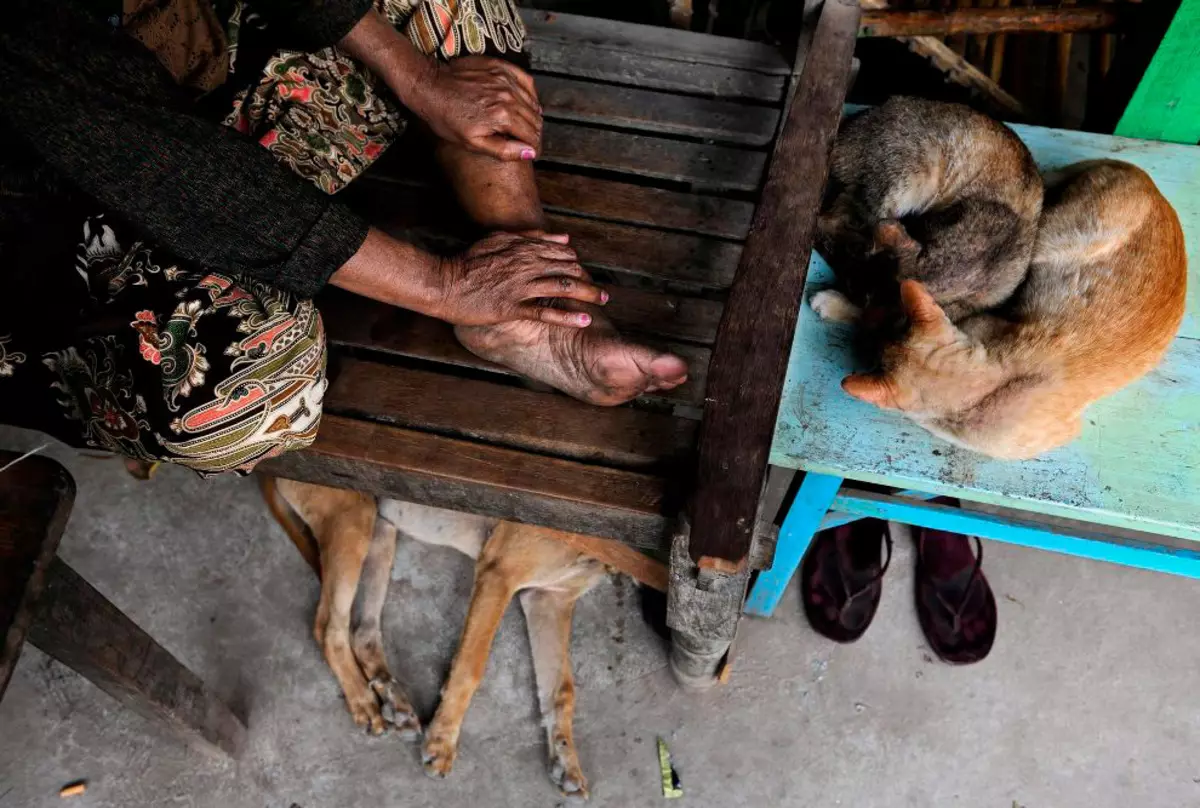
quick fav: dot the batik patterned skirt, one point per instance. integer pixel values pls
(142, 355)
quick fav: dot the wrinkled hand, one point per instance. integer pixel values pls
(510, 276)
(482, 104)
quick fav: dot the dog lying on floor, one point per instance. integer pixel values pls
(350, 539)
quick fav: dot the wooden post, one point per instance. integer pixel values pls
(710, 563)
(79, 627)
(1166, 104)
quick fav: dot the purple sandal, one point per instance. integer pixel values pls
(841, 579)
(954, 602)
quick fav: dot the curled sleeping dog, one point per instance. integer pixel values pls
(351, 538)
(926, 191)
(1103, 298)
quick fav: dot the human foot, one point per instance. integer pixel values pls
(594, 364)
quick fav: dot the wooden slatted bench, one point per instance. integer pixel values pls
(690, 185)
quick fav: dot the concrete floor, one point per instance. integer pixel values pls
(1089, 698)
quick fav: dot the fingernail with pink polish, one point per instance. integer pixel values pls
(585, 319)
(528, 154)
(603, 296)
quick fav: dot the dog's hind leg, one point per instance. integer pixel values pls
(548, 618)
(342, 522)
(495, 585)
(367, 640)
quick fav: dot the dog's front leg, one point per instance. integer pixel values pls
(548, 619)
(493, 590)
(367, 641)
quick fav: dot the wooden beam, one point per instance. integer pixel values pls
(965, 74)
(488, 480)
(1166, 103)
(751, 353)
(79, 627)
(889, 23)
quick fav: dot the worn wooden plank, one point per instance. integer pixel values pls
(653, 111)
(756, 330)
(675, 317)
(565, 58)
(509, 416)
(79, 627)
(637, 204)
(35, 500)
(723, 168)
(924, 22)
(651, 40)
(358, 323)
(502, 483)
(696, 260)
(1135, 466)
(391, 188)
(1166, 104)
(413, 213)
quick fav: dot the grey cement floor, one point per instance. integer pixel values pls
(1090, 698)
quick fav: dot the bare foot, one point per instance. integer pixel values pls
(594, 364)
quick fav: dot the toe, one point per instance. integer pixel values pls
(668, 369)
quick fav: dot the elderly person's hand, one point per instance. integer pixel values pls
(509, 276)
(502, 278)
(482, 104)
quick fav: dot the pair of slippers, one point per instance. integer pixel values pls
(842, 581)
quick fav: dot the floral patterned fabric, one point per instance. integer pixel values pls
(133, 352)
(325, 116)
(207, 371)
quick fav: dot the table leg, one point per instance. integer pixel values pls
(802, 522)
(79, 627)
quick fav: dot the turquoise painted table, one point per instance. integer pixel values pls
(1136, 467)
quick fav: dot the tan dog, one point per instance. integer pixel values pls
(1102, 301)
(350, 539)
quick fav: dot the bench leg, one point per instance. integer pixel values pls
(79, 627)
(804, 519)
(703, 608)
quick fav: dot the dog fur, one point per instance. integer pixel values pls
(350, 538)
(927, 191)
(1104, 296)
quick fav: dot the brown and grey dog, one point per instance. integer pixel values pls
(350, 538)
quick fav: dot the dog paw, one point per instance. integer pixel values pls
(365, 711)
(437, 755)
(395, 708)
(834, 307)
(565, 771)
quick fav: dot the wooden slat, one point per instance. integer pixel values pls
(651, 40)
(721, 168)
(654, 254)
(565, 58)
(636, 311)
(756, 331)
(924, 22)
(415, 213)
(359, 323)
(652, 111)
(636, 204)
(510, 416)
(487, 480)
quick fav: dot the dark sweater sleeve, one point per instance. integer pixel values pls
(100, 110)
(312, 24)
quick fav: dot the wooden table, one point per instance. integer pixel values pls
(1127, 486)
(45, 601)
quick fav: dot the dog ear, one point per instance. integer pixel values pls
(922, 310)
(873, 389)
